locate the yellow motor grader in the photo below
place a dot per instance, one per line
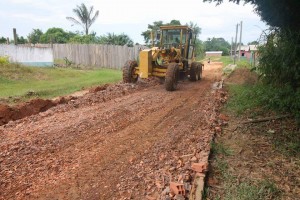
(172, 59)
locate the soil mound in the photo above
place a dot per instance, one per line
(8, 113)
(242, 76)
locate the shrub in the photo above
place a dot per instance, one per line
(4, 60)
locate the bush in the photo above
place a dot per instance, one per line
(279, 60)
(4, 60)
(262, 96)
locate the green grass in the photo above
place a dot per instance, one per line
(255, 100)
(251, 191)
(17, 81)
(226, 60)
(219, 148)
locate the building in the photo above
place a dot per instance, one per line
(213, 53)
(248, 51)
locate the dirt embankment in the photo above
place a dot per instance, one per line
(9, 113)
(242, 76)
(122, 142)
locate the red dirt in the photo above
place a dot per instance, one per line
(242, 76)
(32, 107)
(126, 141)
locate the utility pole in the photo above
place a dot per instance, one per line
(235, 45)
(241, 30)
(15, 36)
(231, 47)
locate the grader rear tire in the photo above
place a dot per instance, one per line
(193, 72)
(172, 76)
(129, 75)
(200, 72)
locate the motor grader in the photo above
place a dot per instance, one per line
(173, 58)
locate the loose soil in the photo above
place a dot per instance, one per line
(120, 141)
(242, 76)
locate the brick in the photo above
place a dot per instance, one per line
(199, 167)
(177, 188)
(223, 117)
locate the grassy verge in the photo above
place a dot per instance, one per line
(257, 160)
(18, 81)
(226, 60)
(233, 186)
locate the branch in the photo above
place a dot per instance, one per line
(265, 119)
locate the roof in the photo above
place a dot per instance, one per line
(214, 52)
(253, 47)
(245, 48)
(174, 27)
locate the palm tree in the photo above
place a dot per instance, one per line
(85, 17)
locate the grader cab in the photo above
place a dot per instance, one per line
(173, 58)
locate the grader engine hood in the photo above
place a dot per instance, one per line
(145, 66)
(155, 57)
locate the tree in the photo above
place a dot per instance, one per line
(21, 40)
(3, 40)
(85, 17)
(217, 44)
(56, 35)
(35, 36)
(174, 22)
(253, 43)
(114, 39)
(84, 39)
(151, 27)
(195, 27)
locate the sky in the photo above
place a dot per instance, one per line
(131, 17)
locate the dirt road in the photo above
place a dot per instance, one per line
(122, 142)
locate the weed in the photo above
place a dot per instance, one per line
(4, 60)
(263, 97)
(219, 148)
(288, 143)
(251, 191)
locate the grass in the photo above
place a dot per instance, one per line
(234, 189)
(16, 80)
(252, 191)
(219, 148)
(226, 60)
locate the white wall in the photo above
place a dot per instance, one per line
(28, 55)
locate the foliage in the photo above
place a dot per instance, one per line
(85, 17)
(195, 27)
(4, 60)
(35, 36)
(115, 39)
(217, 44)
(174, 22)
(21, 40)
(3, 40)
(55, 35)
(84, 39)
(151, 27)
(279, 58)
(263, 97)
(253, 43)
(199, 49)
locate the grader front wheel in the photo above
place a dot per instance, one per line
(129, 75)
(172, 76)
(193, 72)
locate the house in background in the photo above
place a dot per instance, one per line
(213, 53)
(248, 51)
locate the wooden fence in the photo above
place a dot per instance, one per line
(94, 55)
